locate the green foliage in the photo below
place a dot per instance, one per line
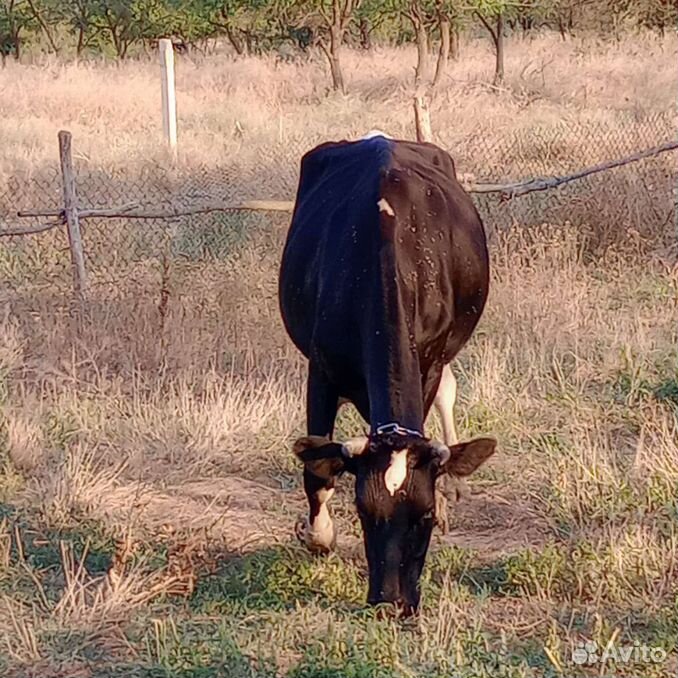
(16, 24)
(122, 27)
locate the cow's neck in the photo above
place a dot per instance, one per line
(391, 362)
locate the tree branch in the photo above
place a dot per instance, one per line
(541, 184)
(487, 25)
(30, 230)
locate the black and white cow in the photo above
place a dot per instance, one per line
(384, 277)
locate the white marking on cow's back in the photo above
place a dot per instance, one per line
(384, 206)
(375, 133)
(396, 472)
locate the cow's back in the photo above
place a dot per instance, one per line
(332, 238)
(439, 248)
(385, 255)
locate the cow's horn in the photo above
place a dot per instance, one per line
(354, 447)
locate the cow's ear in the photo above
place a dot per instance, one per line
(465, 458)
(323, 458)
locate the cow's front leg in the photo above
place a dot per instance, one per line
(317, 531)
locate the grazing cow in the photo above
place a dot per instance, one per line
(383, 279)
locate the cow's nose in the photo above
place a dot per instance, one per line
(389, 609)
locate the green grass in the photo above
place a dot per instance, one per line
(571, 536)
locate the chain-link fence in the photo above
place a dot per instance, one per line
(125, 256)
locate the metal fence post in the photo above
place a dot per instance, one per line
(71, 216)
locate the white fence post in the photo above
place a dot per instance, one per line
(169, 100)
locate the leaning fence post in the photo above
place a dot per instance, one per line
(422, 119)
(71, 216)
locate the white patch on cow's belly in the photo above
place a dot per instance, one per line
(384, 206)
(396, 472)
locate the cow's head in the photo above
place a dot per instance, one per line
(395, 478)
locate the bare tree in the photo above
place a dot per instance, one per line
(336, 18)
(495, 27)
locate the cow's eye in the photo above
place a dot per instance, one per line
(428, 515)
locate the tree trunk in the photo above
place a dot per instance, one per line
(116, 41)
(499, 50)
(234, 40)
(44, 27)
(422, 69)
(335, 63)
(444, 53)
(561, 28)
(81, 42)
(454, 42)
(365, 34)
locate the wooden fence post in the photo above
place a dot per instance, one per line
(169, 99)
(71, 215)
(422, 119)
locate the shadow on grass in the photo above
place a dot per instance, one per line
(279, 578)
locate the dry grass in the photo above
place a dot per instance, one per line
(113, 110)
(165, 422)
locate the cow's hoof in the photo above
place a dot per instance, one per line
(320, 544)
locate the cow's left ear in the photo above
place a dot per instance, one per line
(465, 458)
(326, 459)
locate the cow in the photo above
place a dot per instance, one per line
(383, 279)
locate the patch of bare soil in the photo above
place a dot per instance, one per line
(241, 514)
(493, 524)
(244, 514)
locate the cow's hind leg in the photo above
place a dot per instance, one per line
(452, 488)
(317, 531)
(444, 401)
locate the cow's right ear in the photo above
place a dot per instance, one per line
(326, 459)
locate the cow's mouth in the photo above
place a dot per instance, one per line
(398, 609)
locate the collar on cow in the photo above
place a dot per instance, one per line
(397, 429)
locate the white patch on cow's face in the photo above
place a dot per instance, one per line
(396, 472)
(384, 206)
(375, 133)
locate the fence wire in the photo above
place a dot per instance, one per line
(126, 257)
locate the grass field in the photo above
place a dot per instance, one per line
(147, 488)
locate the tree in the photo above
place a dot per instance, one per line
(80, 17)
(428, 18)
(418, 13)
(369, 16)
(46, 16)
(450, 15)
(492, 14)
(243, 22)
(330, 21)
(127, 22)
(658, 14)
(15, 21)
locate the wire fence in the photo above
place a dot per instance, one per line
(130, 257)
